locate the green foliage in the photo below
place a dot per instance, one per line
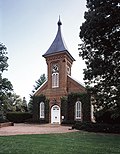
(18, 117)
(39, 82)
(64, 107)
(3, 118)
(107, 117)
(36, 108)
(5, 85)
(24, 105)
(3, 58)
(5, 88)
(30, 105)
(100, 49)
(9, 101)
(98, 127)
(13, 103)
(67, 143)
(86, 104)
(68, 107)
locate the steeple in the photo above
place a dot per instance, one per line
(58, 45)
(59, 22)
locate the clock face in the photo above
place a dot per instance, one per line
(55, 68)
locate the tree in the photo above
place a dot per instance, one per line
(100, 49)
(24, 105)
(14, 103)
(5, 85)
(3, 58)
(39, 82)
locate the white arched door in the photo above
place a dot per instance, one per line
(55, 114)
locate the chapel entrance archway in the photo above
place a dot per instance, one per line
(55, 114)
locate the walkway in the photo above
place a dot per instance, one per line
(18, 129)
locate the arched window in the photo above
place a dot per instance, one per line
(42, 110)
(78, 110)
(55, 80)
(92, 112)
(55, 76)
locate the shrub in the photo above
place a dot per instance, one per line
(3, 119)
(18, 117)
(68, 122)
(106, 117)
(98, 127)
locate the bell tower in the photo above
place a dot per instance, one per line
(59, 83)
(59, 62)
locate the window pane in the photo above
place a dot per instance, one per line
(78, 110)
(42, 112)
(55, 80)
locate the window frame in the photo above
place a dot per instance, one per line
(92, 112)
(42, 110)
(55, 80)
(78, 110)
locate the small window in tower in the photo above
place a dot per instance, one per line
(68, 70)
(55, 76)
(55, 80)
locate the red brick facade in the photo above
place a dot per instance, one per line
(66, 84)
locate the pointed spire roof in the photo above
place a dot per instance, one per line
(58, 45)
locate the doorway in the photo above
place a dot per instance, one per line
(55, 114)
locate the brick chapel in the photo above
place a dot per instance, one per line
(59, 83)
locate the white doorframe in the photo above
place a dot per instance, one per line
(55, 114)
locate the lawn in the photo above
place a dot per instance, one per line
(68, 143)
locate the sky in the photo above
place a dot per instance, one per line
(28, 28)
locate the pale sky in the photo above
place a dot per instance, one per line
(28, 28)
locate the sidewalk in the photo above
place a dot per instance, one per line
(19, 129)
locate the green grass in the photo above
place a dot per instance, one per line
(69, 143)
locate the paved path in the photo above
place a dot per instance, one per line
(18, 129)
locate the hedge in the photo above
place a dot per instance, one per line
(18, 117)
(106, 117)
(97, 127)
(3, 119)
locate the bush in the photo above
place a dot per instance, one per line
(106, 117)
(3, 119)
(98, 127)
(18, 117)
(68, 122)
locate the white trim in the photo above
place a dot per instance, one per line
(78, 110)
(92, 112)
(82, 84)
(40, 87)
(55, 80)
(42, 110)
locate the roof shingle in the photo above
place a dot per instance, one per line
(58, 44)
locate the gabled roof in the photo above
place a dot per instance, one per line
(82, 84)
(41, 87)
(58, 45)
(75, 86)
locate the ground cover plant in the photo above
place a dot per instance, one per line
(68, 143)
